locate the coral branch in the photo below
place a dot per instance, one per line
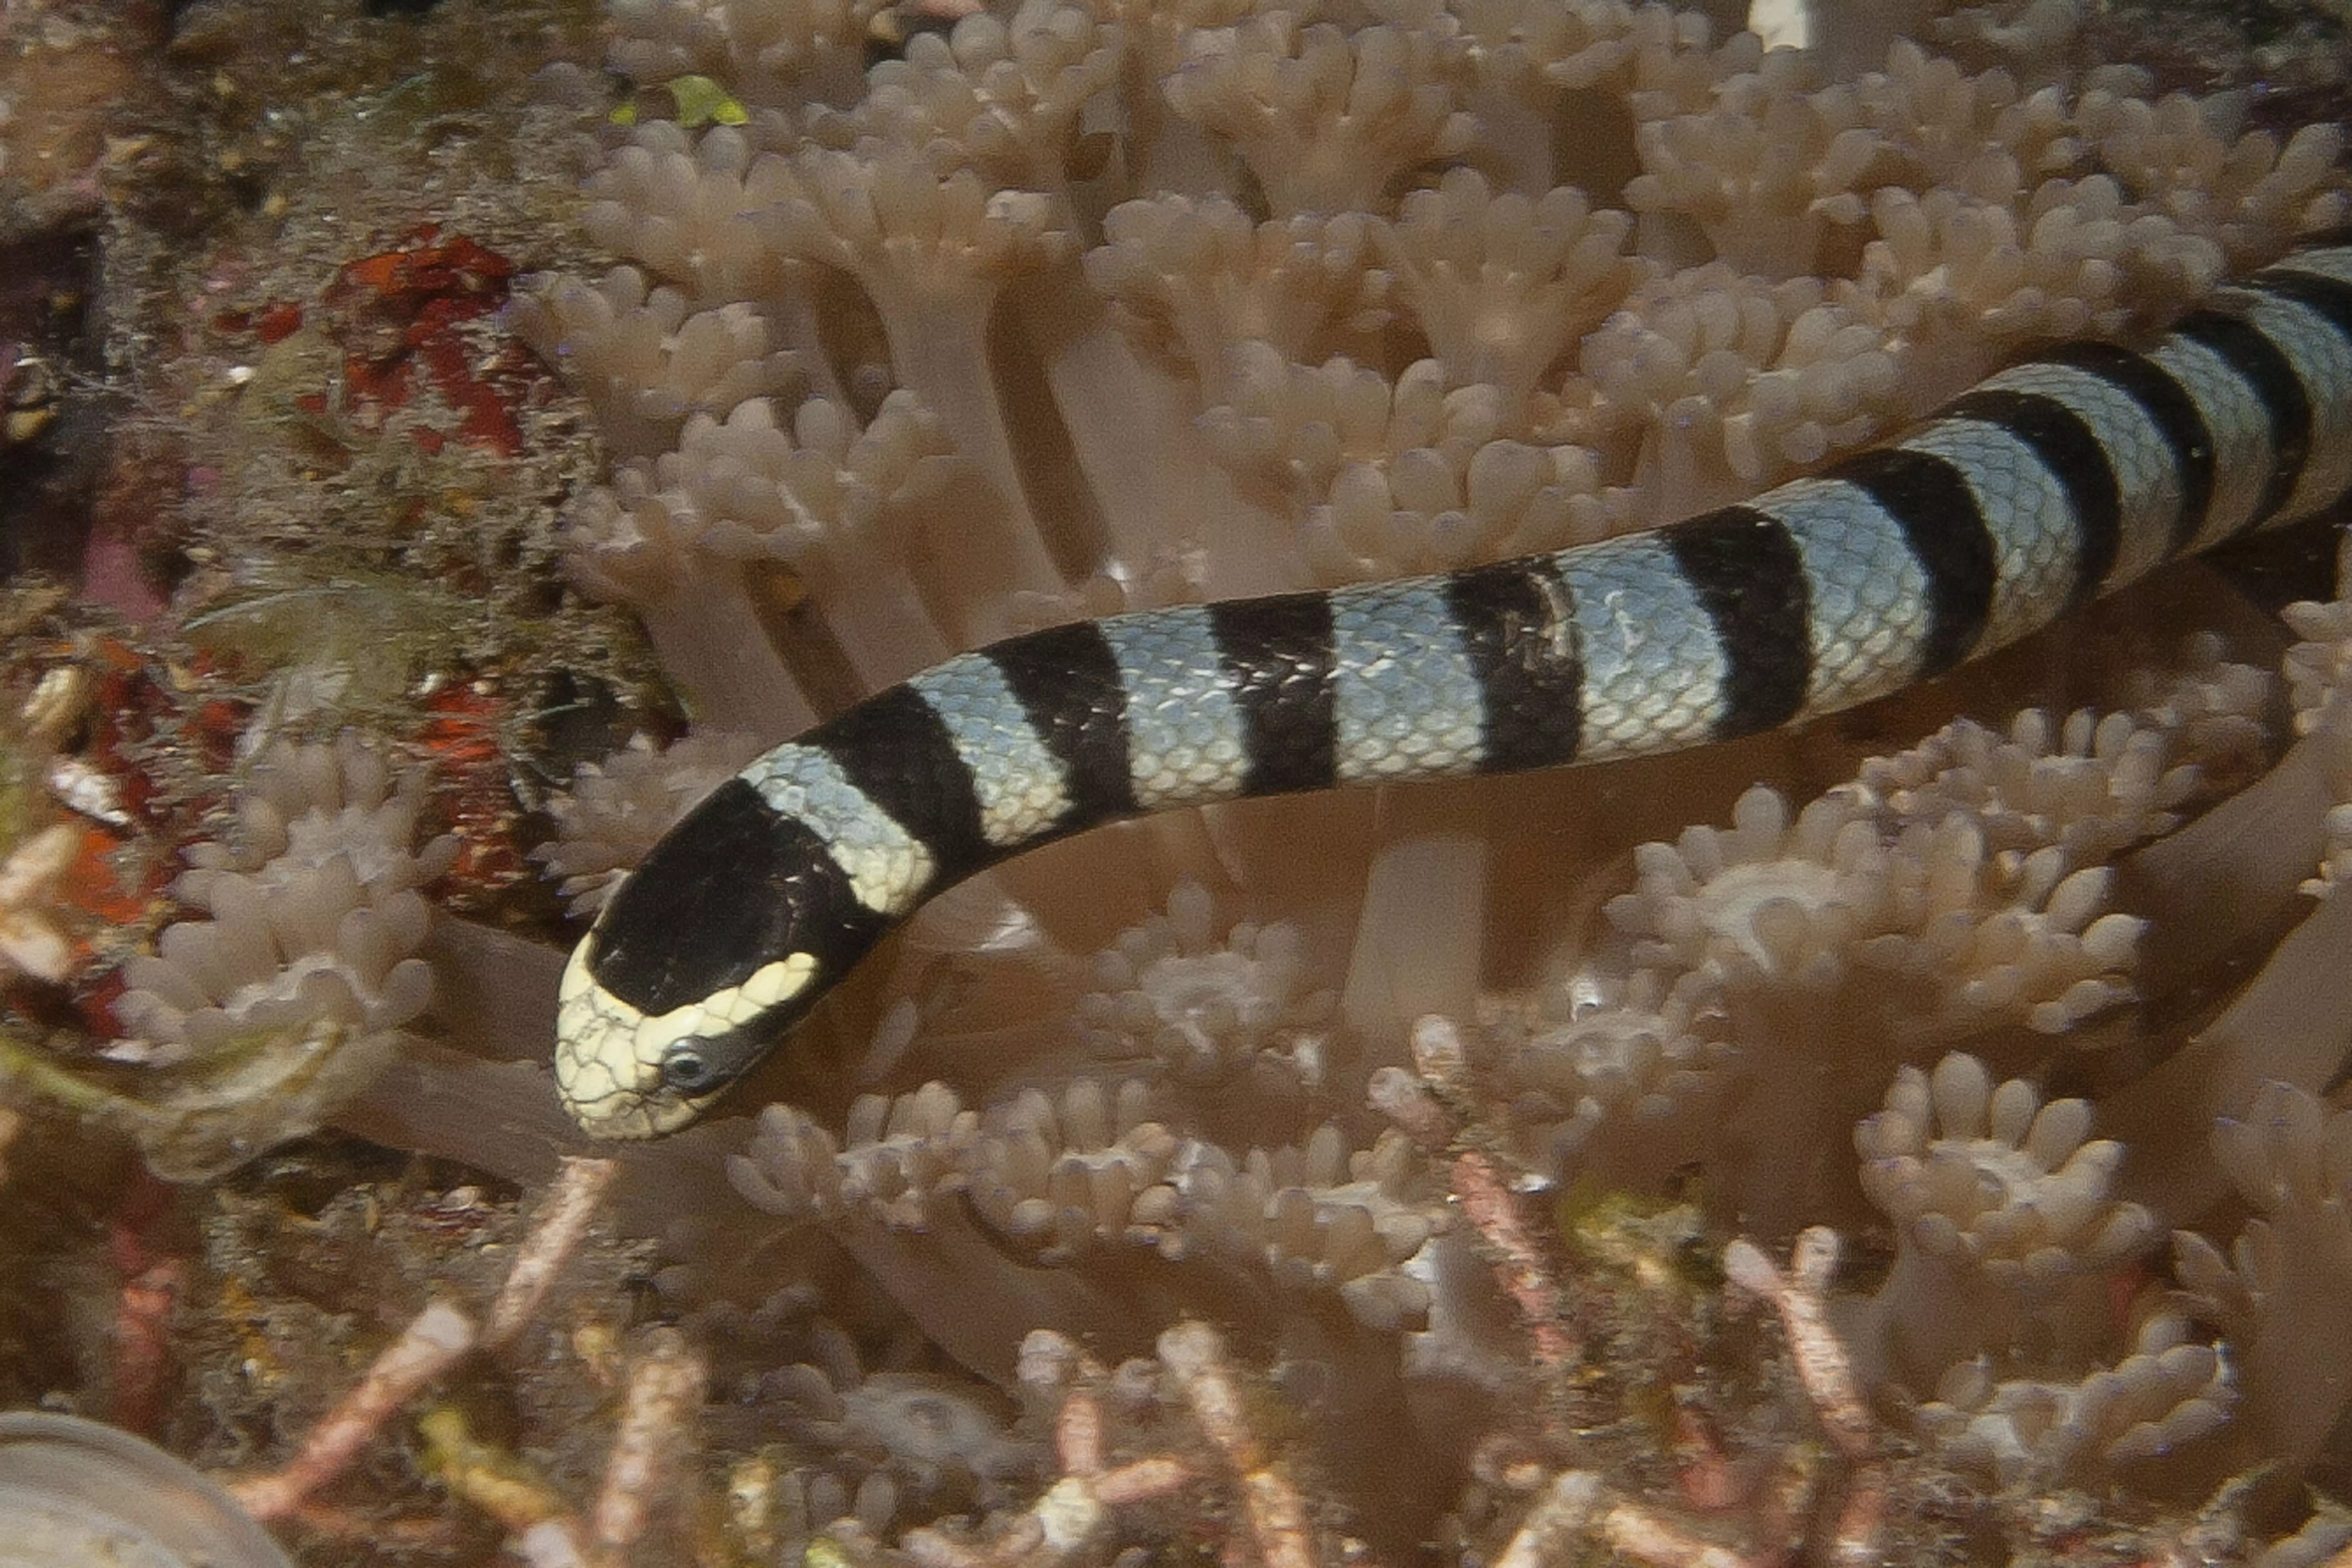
(665, 1391)
(1279, 1528)
(1577, 1512)
(1523, 1266)
(1799, 1296)
(1557, 1525)
(435, 1339)
(564, 1215)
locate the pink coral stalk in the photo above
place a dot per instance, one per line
(435, 1339)
(1279, 1526)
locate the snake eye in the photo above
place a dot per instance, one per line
(687, 1071)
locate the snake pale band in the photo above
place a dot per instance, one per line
(2055, 481)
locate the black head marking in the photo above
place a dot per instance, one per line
(734, 887)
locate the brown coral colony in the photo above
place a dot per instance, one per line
(1508, 1129)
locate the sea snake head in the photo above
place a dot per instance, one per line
(624, 1073)
(704, 958)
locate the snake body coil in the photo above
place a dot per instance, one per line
(2054, 483)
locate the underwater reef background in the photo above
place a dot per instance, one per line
(439, 441)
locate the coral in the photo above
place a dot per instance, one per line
(2319, 667)
(903, 1154)
(1713, 384)
(1502, 285)
(286, 997)
(1612, 1062)
(1008, 95)
(2327, 1533)
(679, 539)
(774, 53)
(923, 324)
(1810, 903)
(2224, 187)
(1061, 1177)
(1324, 117)
(2002, 1213)
(1419, 476)
(2090, 786)
(311, 900)
(1094, 308)
(30, 942)
(2169, 1393)
(1062, 1173)
(1867, 247)
(895, 1448)
(1207, 1008)
(680, 208)
(647, 363)
(1195, 275)
(2282, 1287)
(1954, 891)
(616, 809)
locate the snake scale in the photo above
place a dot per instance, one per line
(2057, 480)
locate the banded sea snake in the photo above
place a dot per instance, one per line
(2057, 480)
